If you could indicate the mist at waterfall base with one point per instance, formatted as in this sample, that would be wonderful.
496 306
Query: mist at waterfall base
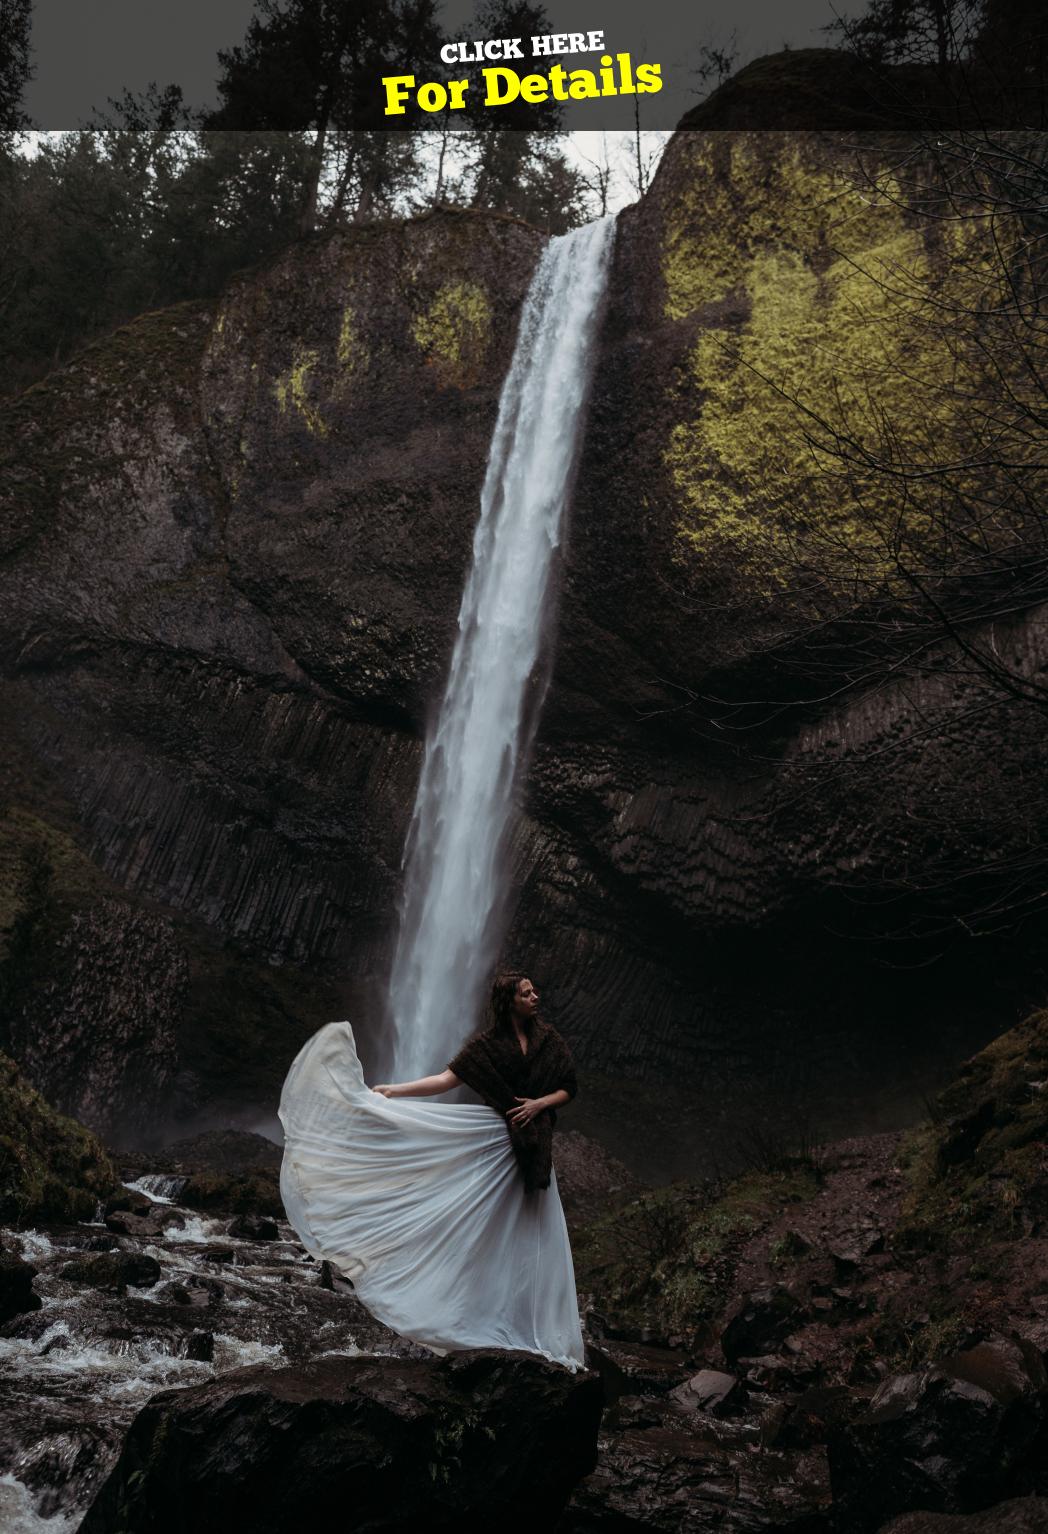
455 894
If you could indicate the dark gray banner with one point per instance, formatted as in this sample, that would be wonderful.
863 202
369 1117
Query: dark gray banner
85 55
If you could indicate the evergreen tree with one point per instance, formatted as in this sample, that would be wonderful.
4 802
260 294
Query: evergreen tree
909 31
318 64
16 18
152 108
988 57
1011 41
516 162
234 200
97 227
527 175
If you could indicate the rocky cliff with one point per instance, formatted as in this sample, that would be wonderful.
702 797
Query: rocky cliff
235 542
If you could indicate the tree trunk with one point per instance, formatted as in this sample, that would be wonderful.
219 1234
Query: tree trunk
343 184
312 188
440 165
640 163
942 32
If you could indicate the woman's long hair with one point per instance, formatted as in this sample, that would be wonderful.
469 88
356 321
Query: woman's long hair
503 993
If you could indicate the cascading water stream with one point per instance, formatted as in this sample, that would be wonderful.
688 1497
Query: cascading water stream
451 908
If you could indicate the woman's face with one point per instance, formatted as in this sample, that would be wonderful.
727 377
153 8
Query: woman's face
527 999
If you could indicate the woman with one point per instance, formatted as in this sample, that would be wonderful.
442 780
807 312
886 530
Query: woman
445 1216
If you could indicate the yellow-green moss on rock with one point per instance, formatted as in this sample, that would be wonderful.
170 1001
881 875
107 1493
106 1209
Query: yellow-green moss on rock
351 350
750 192
815 298
294 390
51 1166
454 332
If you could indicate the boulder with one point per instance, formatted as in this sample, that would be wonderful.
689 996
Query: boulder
16 1287
201 1346
194 1290
813 1414
113 1270
218 1254
849 1247
710 1390
944 1438
145 1226
762 1320
636 1368
1021 1515
253 1227
128 1199
233 1193
774 1372
682 1473
101 1244
462 1442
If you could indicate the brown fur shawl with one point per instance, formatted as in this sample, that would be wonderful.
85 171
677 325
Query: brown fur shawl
493 1064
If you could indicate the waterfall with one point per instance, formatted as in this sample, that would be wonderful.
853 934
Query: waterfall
451 910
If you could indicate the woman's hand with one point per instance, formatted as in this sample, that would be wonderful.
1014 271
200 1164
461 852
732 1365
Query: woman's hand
384 1091
529 1108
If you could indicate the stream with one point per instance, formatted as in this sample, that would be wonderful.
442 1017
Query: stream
75 1372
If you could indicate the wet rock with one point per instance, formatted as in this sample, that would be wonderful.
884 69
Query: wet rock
331 1278
944 1438
849 1247
111 1270
1021 1515
774 1372
196 1290
125 1222
636 1368
201 1346
462 1442
254 1227
1010 1368
218 1254
16 1287
59 1459
129 1199
684 1474
816 1413
761 1321
29 1325
709 1391
256 1192
101 1244
638 1412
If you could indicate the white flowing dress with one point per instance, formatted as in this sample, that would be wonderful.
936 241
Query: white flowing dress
421 1204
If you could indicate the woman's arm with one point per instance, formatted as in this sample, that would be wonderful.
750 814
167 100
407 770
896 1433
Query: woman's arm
425 1086
530 1106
